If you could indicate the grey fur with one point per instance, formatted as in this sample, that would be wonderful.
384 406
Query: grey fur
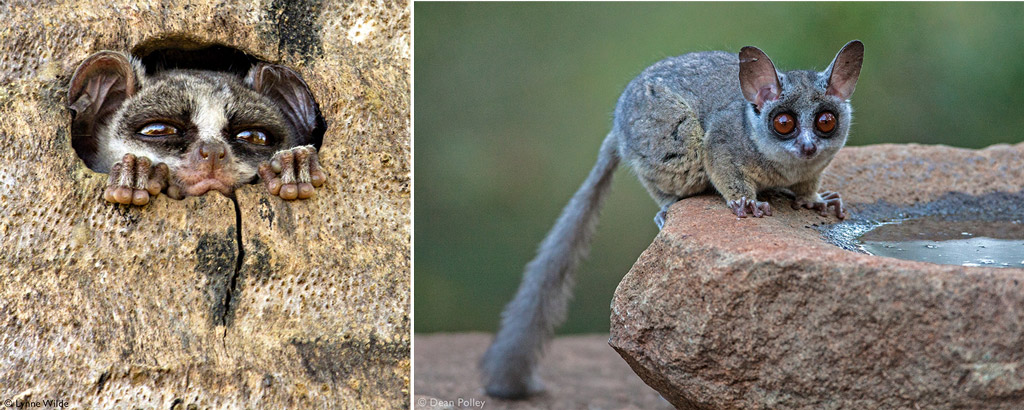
685 126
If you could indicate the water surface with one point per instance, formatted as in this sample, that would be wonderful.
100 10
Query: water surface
953 242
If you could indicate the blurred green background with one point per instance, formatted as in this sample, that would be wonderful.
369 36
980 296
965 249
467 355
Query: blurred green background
512 101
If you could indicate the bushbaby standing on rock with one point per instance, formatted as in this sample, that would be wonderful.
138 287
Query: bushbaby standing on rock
686 124
186 131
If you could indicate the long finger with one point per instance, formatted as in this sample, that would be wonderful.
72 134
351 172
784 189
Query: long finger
158 179
316 173
112 178
287 163
266 172
302 155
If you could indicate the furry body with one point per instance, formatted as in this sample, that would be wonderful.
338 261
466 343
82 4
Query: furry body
685 125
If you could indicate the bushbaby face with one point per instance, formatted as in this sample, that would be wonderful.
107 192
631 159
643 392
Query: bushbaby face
806 127
799 119
208 131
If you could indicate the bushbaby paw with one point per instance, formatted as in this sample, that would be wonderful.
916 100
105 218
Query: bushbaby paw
133 180
293 173
825 200
756 208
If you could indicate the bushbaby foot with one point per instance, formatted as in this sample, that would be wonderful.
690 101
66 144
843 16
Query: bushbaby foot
134 179
756 208
293 173
659 218
822 203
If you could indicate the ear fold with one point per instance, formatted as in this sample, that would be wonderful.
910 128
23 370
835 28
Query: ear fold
758 78
98 88
844 70
292 96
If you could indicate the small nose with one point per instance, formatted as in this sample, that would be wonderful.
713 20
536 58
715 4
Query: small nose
808 149
805 141
217 151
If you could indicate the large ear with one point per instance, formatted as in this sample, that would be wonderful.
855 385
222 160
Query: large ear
758 78
98 88
844 70
286 88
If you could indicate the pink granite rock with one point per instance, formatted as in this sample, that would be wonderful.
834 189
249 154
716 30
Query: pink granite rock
730 313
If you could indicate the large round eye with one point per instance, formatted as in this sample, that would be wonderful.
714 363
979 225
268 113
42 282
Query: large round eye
826 122
158 129
253 137
784 123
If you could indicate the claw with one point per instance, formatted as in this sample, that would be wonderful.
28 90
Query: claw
756 208
827 200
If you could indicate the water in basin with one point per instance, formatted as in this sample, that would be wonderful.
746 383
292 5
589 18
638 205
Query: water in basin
940 240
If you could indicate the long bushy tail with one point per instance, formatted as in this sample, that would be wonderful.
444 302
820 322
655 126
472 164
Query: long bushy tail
528 322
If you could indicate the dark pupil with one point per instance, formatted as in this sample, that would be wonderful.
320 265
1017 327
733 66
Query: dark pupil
255 137
826 122
784 124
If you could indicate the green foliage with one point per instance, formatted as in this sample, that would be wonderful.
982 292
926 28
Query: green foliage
512 102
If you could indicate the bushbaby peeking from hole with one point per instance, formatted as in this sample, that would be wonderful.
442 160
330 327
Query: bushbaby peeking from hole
186 132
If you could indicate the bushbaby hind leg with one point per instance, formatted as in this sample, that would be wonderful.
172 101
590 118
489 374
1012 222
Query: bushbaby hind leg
673 169
692 185
659 218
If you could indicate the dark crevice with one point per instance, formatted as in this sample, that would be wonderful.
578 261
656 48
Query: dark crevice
233 282
102 381
191 55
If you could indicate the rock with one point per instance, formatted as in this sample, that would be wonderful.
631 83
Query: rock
207 302
727 313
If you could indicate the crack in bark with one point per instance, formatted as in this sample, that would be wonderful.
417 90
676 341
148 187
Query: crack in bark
233 281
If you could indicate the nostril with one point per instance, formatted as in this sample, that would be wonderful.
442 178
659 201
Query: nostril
214 151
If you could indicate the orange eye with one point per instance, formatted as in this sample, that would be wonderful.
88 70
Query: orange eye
784 123
158 129
826 122
253 137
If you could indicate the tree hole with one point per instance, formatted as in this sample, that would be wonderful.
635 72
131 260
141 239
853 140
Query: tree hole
169 96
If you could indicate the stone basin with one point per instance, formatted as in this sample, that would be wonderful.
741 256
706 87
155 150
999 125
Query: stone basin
780 312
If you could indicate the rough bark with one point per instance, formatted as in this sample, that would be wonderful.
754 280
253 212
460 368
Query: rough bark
246 303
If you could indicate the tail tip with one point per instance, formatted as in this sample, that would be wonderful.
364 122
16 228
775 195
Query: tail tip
514 389
507 379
